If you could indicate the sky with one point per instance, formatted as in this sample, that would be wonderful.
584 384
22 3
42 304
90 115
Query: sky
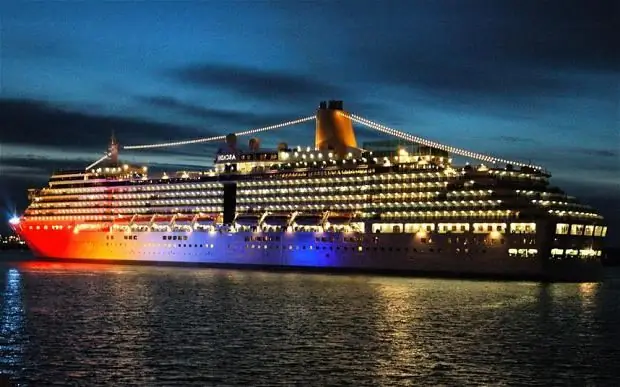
529 81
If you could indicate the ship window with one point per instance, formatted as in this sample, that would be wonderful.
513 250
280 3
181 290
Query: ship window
561 229
576 229
588 230
604 232
412 227
174 237
598 230
523 228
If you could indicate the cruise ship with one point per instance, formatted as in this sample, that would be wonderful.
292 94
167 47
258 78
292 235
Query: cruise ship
397 206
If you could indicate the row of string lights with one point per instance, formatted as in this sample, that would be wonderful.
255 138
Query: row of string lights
355 118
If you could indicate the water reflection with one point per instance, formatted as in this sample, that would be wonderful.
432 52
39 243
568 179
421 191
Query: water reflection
12 327
170 326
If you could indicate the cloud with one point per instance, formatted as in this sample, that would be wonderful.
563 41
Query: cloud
232 120
256 83
515 139
39 123
605 153
484 55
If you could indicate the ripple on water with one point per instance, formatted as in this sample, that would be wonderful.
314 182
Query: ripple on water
100 325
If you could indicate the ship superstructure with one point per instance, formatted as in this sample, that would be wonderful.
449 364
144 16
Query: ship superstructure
391 206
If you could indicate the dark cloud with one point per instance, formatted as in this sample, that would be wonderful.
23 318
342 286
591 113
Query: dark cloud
515 139
36 169
256 83
39 123
234 120
486 54
605 153
558 34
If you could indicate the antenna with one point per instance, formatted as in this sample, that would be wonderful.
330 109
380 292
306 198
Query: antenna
113 149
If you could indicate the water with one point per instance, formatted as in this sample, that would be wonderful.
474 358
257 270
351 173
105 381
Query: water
76 324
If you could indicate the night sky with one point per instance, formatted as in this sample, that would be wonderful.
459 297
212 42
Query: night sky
533 80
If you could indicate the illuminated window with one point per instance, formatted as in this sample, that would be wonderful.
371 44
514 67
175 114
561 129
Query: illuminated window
604 232
523 228
412 227
576 229
598 230
561 229
588 230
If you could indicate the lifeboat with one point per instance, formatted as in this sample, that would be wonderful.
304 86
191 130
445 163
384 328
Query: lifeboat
184 219
143 219
309 219
205 220
247 220
123 219
339 219
162 220
277 219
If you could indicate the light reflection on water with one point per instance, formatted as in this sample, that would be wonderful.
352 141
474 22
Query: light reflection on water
12 339
106 324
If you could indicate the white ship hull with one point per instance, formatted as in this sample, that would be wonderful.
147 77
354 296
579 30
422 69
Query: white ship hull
335 252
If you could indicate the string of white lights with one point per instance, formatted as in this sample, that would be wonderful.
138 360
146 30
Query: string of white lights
220 138
98 161
433 144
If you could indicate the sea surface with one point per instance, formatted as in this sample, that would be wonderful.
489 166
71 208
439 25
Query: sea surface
91 325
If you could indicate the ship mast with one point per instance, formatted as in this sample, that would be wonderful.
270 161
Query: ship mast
113 150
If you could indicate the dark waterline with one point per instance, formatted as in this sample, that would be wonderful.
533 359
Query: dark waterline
111 324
